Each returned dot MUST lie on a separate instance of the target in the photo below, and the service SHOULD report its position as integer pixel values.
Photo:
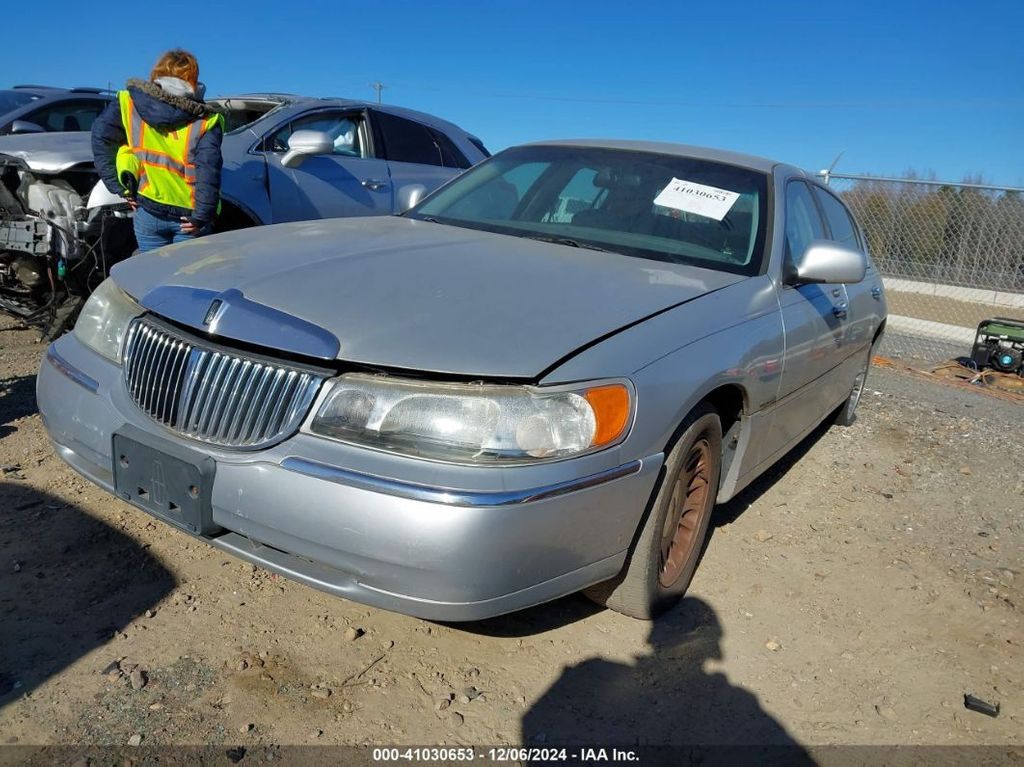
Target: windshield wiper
(570, 242)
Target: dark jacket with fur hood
(167, 111)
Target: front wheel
(670, 542)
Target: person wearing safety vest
(158, 145)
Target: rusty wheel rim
(688, 508)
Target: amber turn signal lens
(611, 410)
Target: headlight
(104, 319)
(474, 423)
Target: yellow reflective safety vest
(127, 162)
(165, 158)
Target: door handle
(373, 184)
(876, 293)
(840, 309)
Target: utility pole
(378, 86)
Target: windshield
(642, 204)
(240, 113)
(11, 100)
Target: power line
(796, 104)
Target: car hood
(49, 152)
(393, 292)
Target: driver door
(350, 181)
(816, 324)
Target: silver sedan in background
(539, 380)
(290, 158)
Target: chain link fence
(951, 255)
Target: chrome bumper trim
(453, 497)
(71, 371)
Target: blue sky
(933, 86)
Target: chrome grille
(212, 394)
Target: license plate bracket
(167, 480)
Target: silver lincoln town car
(539, 380)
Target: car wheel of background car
(63, 319)
(671, 540)
(847, 412)
(231, 218)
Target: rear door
(351, 181)
(420, 157)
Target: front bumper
(435, 541)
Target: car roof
(51, 90)
(281, 98)
(753, 162)
(305, 102)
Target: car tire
(232, 218)
(63, 319)
(670, 542)
(846, 414)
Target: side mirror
(410, 196)
(828, 262)
(303, 144)
(25, 126)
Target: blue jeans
(152, 232)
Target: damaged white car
(56, 243)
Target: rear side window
(450, 154)
(408, 141)
(843, 229)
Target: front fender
(244, 185)
(747, 356)
(733, 336)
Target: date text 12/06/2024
(504, 754)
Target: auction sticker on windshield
(690, 197)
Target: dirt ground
(852, 597)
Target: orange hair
(177, 63)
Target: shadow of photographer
(665, 698)
(69, 582)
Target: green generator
(999, 344)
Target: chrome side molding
(71, 371)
